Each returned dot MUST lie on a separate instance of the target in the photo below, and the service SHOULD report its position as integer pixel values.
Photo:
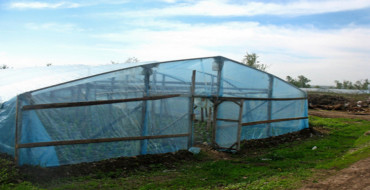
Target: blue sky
(325, 40)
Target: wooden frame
(92, 103)
(191, 110)
(272, 121)
(102, 140)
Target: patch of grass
(281, 167)
(8, 172)
(20, 186)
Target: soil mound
(338, 102)
(116, 167)
(250, 146)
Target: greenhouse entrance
(227, 125)
(221, 130)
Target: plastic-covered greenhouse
(62, 115)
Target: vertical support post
(219, 63)
(191, 110)
(18, 125)
(269, 104)
(212, 83)
(216, 103)
(110, 95)
(153, 86)
(161, 106)
(217, 66)
(202, 114)
(209, 120)
(240, 124)
(145, 117)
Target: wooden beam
(91, 103)
(227, 120)
(18, 125)
(270, 99)
(145, 111)
(271, 121)
(242, 98)
(239, 125)
(102, 140)
(269, 104)
(191, 110)
(214, 129)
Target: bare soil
(116, 167)
(357, 176)
(338, 114)
(354, 104)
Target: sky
(324, 40)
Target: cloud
(56, 27)
(42, 5)
(62, 4)
(318, 54)
(227, 8)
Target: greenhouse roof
(17, 81)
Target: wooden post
(209, 119)
(240, 125)
(144, 124)
(18, 128)
(191, 110)
(202, 114)
(269, 105)
(215, 108)
(220, 63)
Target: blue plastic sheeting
(215, 77)
(7, 126)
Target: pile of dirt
(338, 102)
(116, 167)
(252, 146)
(124, 166)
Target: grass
(283, 167)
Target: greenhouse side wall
(160, 125)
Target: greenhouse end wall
(147, 109)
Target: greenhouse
(61, 115)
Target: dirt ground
(357, 176)
(338, 114)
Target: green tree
(252, 61)
(300, 82)
(132, 60)
(338, 84)
(360, 84)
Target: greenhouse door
(227, 125)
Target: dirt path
(357, 176)
(337, 114)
